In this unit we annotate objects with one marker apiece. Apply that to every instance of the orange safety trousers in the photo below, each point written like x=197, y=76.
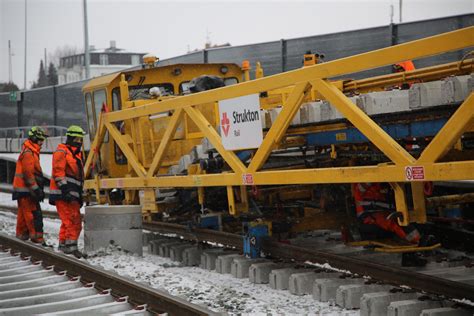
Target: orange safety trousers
x=380, y=219
x=71, y=224
x=29, y=220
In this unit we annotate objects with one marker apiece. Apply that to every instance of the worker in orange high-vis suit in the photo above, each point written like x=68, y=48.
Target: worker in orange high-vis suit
x=402, y=67
x=66, y=188
x=28, y=188
x=379, y=220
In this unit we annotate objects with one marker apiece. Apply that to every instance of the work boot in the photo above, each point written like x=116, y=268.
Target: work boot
x=45, y=244
x=61, y=247
x=78, y=254
x=411, y=259
x=427, y=240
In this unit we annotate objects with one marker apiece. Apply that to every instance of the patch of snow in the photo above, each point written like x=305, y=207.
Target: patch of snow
x=6, y=200
x=219, y=292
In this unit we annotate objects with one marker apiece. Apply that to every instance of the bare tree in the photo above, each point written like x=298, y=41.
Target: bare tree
x=63, y=51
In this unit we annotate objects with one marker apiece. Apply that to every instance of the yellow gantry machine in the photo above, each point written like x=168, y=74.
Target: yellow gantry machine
x=148, y=174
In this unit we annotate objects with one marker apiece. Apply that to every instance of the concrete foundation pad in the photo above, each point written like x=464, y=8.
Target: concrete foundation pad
x=445, y=311
x=192, y=256
x=324, y=290
x=348, y=296
x=164, y=248
x=113, y=224
x=410, y=307
x=209, y=256
x=176, y=252
x=240, y=267
x=223, y=263
x=302, y=283
x=126, y=239
x=374, y=304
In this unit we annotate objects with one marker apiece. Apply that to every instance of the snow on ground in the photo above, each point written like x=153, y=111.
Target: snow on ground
x=219, y=292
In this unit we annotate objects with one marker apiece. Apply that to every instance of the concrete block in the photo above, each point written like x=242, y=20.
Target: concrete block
x=324, y=290
x=279, y=278
x=259, y=272
x=311, y=112
x=329, y=113
x=470, y=83
x=276, y=111
x=173, y=169
x=147, y=237
x=224, y=262
x=113, y=224
x=410, y=307
x=374, y=304
x=164, y=248
x=263, y=115
x=192, y=256
x=184, y=163
x=208, y=258
x=302, y=283
x=240, y=267
x=445, y=311
x=423, y=95
x=454, y=89
x=153, y=246
x=348, y=296
x=176, y=252
x=384, y=102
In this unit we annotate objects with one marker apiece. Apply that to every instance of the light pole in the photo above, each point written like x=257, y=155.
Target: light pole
x=26, y=24
x=10, y=71
x=86, y=42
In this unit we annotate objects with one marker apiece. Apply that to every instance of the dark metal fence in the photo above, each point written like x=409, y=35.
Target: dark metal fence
x=63, y=105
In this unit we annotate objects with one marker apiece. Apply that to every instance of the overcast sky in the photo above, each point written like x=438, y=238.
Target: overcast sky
x=169, y=28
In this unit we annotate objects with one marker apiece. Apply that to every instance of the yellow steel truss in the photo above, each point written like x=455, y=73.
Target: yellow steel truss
x=303, y=81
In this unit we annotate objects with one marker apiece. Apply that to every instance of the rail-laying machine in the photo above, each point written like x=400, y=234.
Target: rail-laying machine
x=204, y=144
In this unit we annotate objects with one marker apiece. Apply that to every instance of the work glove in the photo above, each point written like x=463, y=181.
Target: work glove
x=65, y=193
x=395, y=216
x=38, y=194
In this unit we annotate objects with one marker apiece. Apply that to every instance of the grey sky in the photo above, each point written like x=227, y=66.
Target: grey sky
x=168, y=28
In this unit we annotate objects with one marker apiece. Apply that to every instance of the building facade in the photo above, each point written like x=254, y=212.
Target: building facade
x=102, y=62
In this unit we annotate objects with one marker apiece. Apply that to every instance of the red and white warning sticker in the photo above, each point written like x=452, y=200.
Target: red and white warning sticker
x=247, y=179
x=415, y=173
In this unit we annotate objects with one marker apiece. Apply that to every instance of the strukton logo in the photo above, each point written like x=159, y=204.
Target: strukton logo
x=225, y=124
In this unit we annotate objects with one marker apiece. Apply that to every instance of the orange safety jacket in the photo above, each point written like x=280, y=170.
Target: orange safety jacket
x=369, y=198
x=28, y=173
x=68, y=171
x=407, y=65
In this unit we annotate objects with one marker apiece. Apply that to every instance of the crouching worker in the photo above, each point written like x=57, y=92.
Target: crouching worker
x=66, y=189
x=28, y=188
x=377, y=218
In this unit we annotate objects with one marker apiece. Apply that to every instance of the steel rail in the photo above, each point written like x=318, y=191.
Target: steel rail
x=387, y=274
x=156, y=300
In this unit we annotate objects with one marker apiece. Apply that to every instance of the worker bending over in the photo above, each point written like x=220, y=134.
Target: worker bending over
x=66, y=189
x=28, y=188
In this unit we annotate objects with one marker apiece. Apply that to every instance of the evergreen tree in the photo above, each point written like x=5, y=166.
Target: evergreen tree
x=52, y=75
x=8, y=86
x=42, y=78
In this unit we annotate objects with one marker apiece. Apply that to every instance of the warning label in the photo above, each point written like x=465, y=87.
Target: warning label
x=247, y=179
x=415, y=173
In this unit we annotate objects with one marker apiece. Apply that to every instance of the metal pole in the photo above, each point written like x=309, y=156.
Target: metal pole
x=10, y=73
x=24, y=75
x=86, y=42
x=401, y=4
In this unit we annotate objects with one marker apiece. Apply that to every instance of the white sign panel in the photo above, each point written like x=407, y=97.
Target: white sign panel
x=240, y=122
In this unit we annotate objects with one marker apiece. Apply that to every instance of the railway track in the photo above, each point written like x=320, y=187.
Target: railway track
x=35, y=280
x=443, y=279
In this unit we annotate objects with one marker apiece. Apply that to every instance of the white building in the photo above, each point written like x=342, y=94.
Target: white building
x=102, y=62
